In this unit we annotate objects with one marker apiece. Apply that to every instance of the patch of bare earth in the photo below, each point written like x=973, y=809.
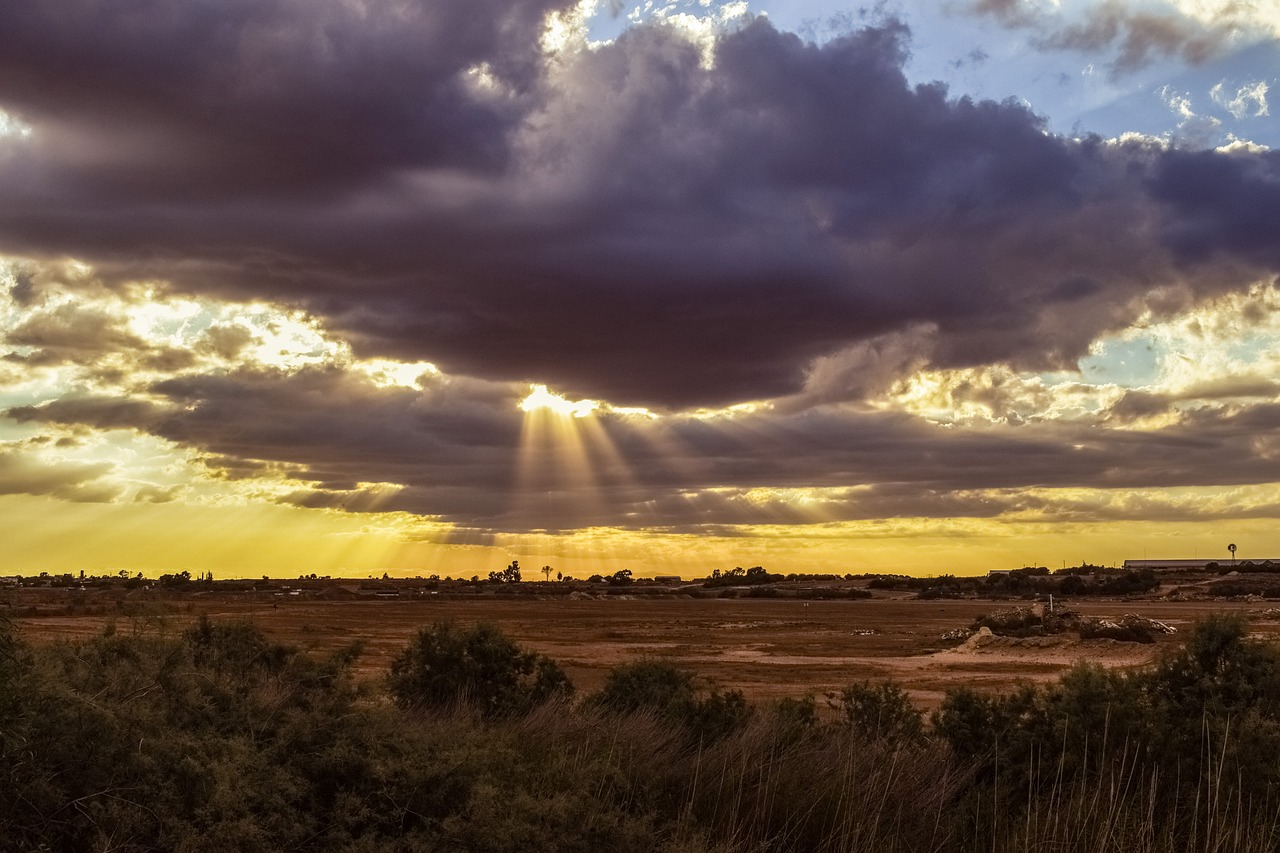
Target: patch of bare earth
x=768, y=648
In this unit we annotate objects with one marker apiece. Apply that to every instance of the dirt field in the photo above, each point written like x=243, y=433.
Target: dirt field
x=768, y=648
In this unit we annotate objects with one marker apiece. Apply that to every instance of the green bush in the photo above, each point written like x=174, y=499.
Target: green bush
x=672, y=692
x=445, y=665
x=649, y=685
x=881, y=711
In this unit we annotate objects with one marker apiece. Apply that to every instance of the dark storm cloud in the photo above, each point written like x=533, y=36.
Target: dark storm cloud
x=625, y=223
x=452, y=444
x=1222, y=207
x=453, y=450
x=226, y=99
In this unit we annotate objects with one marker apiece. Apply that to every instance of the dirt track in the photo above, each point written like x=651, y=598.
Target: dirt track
x=766, y=647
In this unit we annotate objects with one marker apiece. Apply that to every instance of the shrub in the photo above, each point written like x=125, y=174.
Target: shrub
x=648, y=684
x=881, y=711
x=1142, y=580
x=445, y=665
x=976, y=725
x=654, y=685
x=795, y=719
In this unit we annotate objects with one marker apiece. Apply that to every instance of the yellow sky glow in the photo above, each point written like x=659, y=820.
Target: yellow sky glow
x=111, y=497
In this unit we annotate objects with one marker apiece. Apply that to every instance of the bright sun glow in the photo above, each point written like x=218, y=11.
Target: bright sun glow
x=10, y=126
x=540, y=398
x=395, y=374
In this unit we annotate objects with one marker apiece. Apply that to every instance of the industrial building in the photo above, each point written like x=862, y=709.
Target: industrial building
x=1218, y=563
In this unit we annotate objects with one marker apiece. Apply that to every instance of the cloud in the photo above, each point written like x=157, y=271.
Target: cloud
x=1142, y=37
x=266, y=205
x=1219, y=208
x=75, y=334
x=1249, y=100
x=245, y=98
x=462, y=452
x=23, y=472
x=645, y=228
x=1137, y=35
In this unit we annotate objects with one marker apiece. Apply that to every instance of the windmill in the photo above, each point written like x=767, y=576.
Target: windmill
x=1232, y=549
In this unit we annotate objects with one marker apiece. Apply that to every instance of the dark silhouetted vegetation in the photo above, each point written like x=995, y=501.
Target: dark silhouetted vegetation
x=674, y=694
x=739, y=576
x=1030, y=582
x=511, y=574
x=217, y=738
x=445, y=666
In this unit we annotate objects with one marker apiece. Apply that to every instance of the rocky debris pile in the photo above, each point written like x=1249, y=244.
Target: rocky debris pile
x=1022, y=622
x=1029, y=622
x=1128, y=628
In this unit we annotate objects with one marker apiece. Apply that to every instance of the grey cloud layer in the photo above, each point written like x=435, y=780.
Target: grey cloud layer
x=454, y=451
x=625, y=223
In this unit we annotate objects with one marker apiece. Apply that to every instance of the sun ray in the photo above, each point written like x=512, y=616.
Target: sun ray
x=555, y=485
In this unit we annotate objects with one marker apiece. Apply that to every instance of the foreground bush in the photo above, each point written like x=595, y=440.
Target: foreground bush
x=1189, y=749
x=881, y=711
x=219, y=739
x=673, y=693
x=445, y=665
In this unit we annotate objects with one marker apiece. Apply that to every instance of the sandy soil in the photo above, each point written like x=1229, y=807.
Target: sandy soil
x=768, y=648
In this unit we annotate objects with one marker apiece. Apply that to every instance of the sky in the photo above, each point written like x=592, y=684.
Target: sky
x=348, y=287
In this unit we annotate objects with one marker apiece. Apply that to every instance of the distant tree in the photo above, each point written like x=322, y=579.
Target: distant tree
x=511, y=574
x=546, y=572
x=177, y=579
x=1073, y=585
x=758, y=574
x=621, y=577
x=739, y=576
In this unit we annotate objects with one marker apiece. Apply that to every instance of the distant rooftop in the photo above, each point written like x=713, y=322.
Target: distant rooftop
x=1198, y=564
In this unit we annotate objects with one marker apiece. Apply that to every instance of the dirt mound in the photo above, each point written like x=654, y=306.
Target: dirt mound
x=977, y=640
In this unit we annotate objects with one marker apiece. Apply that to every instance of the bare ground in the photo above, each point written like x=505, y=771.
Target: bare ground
x=768, y=648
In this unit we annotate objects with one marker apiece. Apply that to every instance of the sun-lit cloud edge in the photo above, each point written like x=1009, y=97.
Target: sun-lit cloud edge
x=1210, y=342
